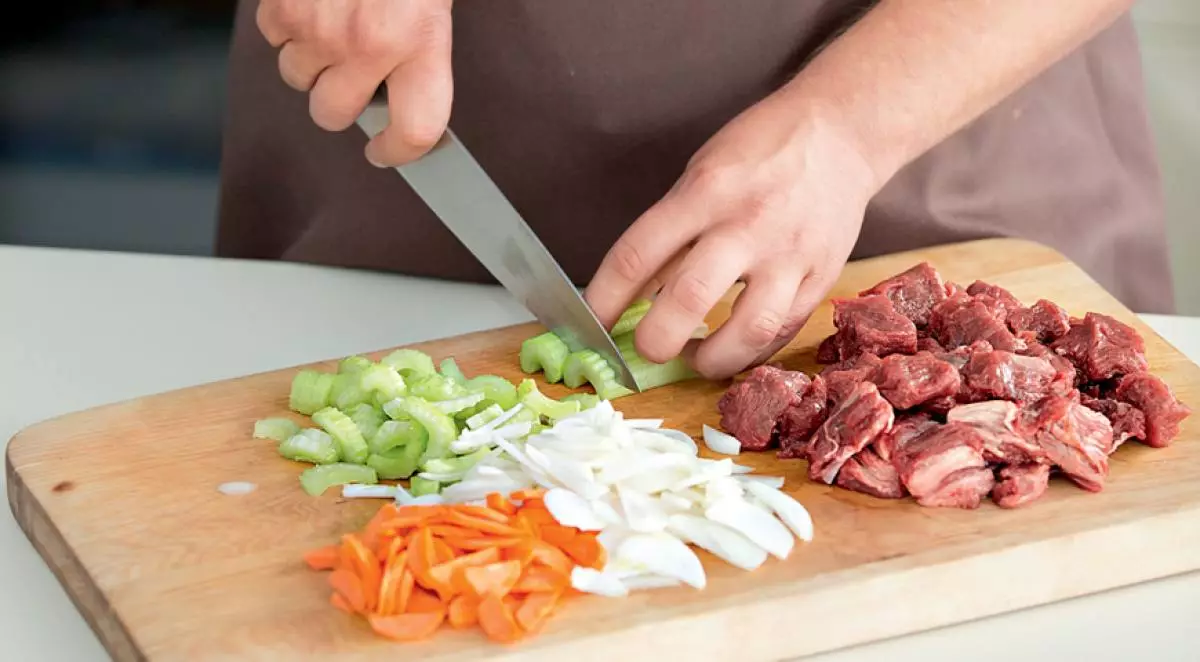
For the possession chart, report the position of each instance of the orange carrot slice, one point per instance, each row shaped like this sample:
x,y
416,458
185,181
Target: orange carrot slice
x,y
475,544
540,578
463,612
422,556
538,516
535,609
492,579
389,584
404,591
497,620
339,602
408,517
366,566
527,494
480,524
557,534
325,558
350,587
551,556
484,512
374,527
448,574
423,601
408,627
585,550
499,503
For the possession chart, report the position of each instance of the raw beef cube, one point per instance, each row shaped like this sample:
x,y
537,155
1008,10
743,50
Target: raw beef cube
x,y
959,356
928,344
841,378
963,320
870,474
998,300
1102,347
907,381
942,406
904,430
1021,484
1128,422
872,325
851,427
1067,376
954,289
800,421
914,292
1007,376
1075,438
1164,412
750,410
827,351
1044,319
944,467
996,421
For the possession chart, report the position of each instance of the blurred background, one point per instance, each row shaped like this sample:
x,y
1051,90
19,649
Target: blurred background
x,y
111,111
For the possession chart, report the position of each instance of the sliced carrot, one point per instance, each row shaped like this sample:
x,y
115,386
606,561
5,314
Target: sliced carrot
x,y
325,558
443,551
450,532
480,524
535,609
585,550
373,529
350,587
423,601
449,574
482,542
463,611
422,555
366,566
526,525
497,620
404,591
408,627
339,602
557,534
408,517
551,556
538,517
527,493
493,578
522,552
539,578
500,503
484,512
389,585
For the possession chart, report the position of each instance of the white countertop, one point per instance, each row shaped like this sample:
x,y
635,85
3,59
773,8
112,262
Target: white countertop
x,y
86,328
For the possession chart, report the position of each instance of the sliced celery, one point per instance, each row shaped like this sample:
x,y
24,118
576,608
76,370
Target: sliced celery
x,y
420,486
351,445
315,480
397,463
652,375
352,364
393,434
573,375
482,418
367,418
455,465
437,388
310,391
596,370
440,426
310,445
277,429
384,381
585,400
631,317
547,353
459,404
410,362
348,391
450,371
543,405
497,390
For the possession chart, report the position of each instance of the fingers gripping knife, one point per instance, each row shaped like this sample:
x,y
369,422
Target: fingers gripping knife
x,y
460,193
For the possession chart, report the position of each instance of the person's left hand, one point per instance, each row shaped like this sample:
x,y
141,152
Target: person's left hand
x,y
776,198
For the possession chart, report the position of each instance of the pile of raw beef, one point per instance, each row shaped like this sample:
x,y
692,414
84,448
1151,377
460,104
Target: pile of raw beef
x,y
950,394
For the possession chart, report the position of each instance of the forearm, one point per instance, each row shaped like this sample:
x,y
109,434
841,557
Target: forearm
x,y
912,72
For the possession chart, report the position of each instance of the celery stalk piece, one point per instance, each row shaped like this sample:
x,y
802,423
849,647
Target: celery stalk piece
x,y
596,370
450,371
399,462
310,391
546,352
311,445
497,390
573,375
440,426
348,391
652,375
410,363
353,364
459,404
631,317
315,480
384,382
585,400
367,418
420,486
488,414
455,465
351,445
543,405
436,388
277,429
393,434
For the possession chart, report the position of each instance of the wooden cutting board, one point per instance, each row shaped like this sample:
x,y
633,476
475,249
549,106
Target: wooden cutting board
x,y
122,503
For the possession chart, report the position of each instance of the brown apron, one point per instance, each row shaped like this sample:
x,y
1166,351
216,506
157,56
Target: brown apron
x,y
584,113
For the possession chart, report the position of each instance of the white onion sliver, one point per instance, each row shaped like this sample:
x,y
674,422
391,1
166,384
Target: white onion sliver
x,y
368,492
570,509
425,500
739,469
642,582
770,481
760,526
236,488
725,543
793,514
644,423
596,582
720,442
663,554
642,513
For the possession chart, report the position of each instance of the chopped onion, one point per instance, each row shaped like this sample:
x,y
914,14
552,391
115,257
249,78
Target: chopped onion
x,y
664,555
352,491
570,509
588,580
236,488
794,515
720,442
755,523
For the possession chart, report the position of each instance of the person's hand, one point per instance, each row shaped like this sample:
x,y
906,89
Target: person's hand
x,y
775,199
340,52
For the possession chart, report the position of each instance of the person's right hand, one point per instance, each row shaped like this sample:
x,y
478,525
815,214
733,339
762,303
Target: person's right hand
x,y
340,52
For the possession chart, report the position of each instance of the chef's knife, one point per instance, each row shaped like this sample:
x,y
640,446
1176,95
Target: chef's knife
x,y
461,194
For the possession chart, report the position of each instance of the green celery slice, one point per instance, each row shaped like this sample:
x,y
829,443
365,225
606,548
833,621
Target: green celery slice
x,y
455,465
652,375
585,400
310,391
420,486
348,391
544,405
459,405
410,363
600,374
450,371
482,418
384,381
440,426
436,388
573,375
311,445
277,429
495,389
631,317
315,480
399,462
546,352
353,364
351,445
393,434
367,418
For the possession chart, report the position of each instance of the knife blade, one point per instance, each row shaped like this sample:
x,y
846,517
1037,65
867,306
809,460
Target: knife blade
x,y
472,207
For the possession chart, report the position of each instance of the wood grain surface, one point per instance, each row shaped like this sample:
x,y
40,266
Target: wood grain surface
x,y
122,503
